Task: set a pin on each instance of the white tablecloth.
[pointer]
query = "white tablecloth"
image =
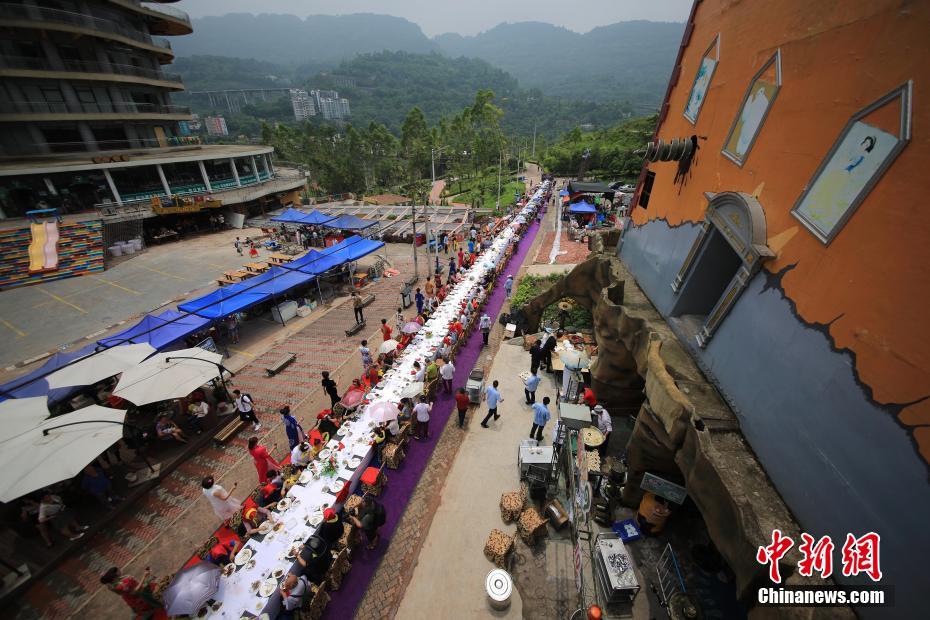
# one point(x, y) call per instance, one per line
point(235, 591)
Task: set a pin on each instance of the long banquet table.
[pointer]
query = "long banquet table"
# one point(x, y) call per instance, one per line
point(313, 493)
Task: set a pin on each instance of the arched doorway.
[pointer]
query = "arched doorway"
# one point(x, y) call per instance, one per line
point(727, 253)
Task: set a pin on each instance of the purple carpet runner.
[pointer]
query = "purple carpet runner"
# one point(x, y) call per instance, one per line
point(403, 481)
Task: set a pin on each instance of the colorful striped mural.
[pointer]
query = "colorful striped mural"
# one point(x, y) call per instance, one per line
point(80, 251)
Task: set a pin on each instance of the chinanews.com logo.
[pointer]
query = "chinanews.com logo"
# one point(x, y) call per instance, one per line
point(858, 556)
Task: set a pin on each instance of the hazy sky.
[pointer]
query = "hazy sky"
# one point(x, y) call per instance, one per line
point(462, 16)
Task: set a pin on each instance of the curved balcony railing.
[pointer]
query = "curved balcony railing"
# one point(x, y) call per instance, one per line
point(170, 11)
point(87, 66)
point(96, 107)
point(46, 14)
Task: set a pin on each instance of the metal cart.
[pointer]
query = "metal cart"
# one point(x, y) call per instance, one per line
point(475, 385)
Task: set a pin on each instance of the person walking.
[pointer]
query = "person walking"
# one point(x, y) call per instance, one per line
point(451, 267)
point(238, 245)
point(605, 425)
point(365, 352)
point(548, 347)
point(420, 300)
point(221, 500)
point(262, 459)
point(329, 386)
point(535, 356)
point(385, 330)
point(485, 326)
point(399, 321)
point(529, 390)
point(540, 417)
point(462, 403)
point(508, 285)
point(430, 289)
point(246, 408)
point(461, 256)
point(357, 308)
point(493, 396)
point(447, 372)
point(421, 411)
point(292, 427)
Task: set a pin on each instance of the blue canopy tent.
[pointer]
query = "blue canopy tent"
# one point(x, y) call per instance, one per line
point(32, 385)
point(349, 222)
point(582, 208)
point(225, 301)
point(160, 331)
point(277, 280)
point(563, 192)
point(296, 216)
point(356, 247)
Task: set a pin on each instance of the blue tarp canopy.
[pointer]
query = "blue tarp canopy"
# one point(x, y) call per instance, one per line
point(224, 301)
point(356, 247)
point(582, 208)
point(295, 216)
point(348, 250)
point(23, 388)
point(350, 222)
point(160, 331)
point(276, 281)
point(563, 192)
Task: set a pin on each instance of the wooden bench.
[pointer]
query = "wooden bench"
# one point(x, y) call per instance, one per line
point(355, 328)
point(229, 431)
point(367, 300)
point(280, 364)
point(224, 281)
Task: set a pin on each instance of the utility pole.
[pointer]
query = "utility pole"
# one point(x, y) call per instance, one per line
point(500, 161)
point(534, 140)
point(432, 163)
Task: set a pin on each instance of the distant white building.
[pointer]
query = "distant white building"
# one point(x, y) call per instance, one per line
point(302, 104)
point(216, 125)
point(330, 105)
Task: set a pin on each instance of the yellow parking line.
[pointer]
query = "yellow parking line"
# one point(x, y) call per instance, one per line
point(119, 286)
point(12, 327)
point(63, 300)
point(164, 273)
point(246, 353)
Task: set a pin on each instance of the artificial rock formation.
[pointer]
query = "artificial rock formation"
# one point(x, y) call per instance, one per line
point(683, 431)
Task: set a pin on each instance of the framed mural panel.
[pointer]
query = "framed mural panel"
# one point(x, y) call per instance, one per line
point(852, 167)
point(702, 78)
point(763, 88)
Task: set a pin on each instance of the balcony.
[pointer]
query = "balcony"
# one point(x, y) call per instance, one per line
point(55, 110)
point(39, 17)
point(24, 63)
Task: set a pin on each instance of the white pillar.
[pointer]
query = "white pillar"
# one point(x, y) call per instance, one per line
point(268, 163)
point(112, 185)
point(164, 179)
point(203, 173)
point(232, 164)
point(255, 169)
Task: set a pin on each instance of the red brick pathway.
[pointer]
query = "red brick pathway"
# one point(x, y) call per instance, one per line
point(570, 252)
point(321, 345)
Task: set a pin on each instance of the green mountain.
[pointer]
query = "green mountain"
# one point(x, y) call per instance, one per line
point(318, 41)
point(629, 60)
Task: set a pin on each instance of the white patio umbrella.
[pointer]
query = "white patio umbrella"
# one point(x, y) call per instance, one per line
point(99, 366)
point(387, 346)
point(411, 327)
point(574, 359)
point(57, 449)
point(191, 588)
point(383, 411)
point(413, 390)
point(167, 375)
point(22, 414)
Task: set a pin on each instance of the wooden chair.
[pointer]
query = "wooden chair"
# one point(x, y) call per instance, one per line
point(393, 455)
point(314, 608)
point(531, 527)
point(498, 548)
point(373, 481)
point(512, 505)
point(351, 537)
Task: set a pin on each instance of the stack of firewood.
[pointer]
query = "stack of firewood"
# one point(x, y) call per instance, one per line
point(498, 547)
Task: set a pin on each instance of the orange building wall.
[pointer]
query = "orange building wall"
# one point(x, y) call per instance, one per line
point(837, 57)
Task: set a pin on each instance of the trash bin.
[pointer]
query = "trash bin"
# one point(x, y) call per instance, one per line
point(499, 587)
point(406, 296)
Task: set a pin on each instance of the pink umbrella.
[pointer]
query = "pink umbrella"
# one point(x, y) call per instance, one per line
point(383, 411)
point(352, 398)
point(411, 328)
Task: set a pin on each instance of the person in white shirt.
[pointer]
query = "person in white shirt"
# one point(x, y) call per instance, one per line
point(197, 412)
point(421, 413)
point(246, 411)
point(301, 455)
point(447, 372)
point(605, 425)
point(420, 373)
point(485, 326)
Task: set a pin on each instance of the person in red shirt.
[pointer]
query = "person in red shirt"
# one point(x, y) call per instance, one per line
point(462, 402)
point(441, 295)
point(588, 397)
point(262, 459)
point(385, 330)
point(137, 594)
point(457, 328)
point(461, 256)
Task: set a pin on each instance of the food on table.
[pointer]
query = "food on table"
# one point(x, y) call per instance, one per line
point(203, 612)
point(278, 526)
point(255, 585)
point(268, 586)
point(250, 564)
point(228, 569)
point(277, 573)
point(243, 556)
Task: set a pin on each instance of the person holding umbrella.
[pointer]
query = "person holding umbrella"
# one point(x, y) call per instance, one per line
point(262, 459)
point(135, 593)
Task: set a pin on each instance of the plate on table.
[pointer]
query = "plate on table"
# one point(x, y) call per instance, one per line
point(229, 569)
point(316, 519)
point(284, 504)
point(243, 556)
point(265, 527)
point(294, 551)
point(354, 462)
point(268, 586)
point(278, 526)
point(277, 573)
point(324, 454)
point(305, 476)
point(250, 564)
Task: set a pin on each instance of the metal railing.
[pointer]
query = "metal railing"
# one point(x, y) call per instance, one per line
point(103, 146)
point(170, 11)
point(94, 107)
point(178, 189)
point(45, 14)
point(86, 66)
